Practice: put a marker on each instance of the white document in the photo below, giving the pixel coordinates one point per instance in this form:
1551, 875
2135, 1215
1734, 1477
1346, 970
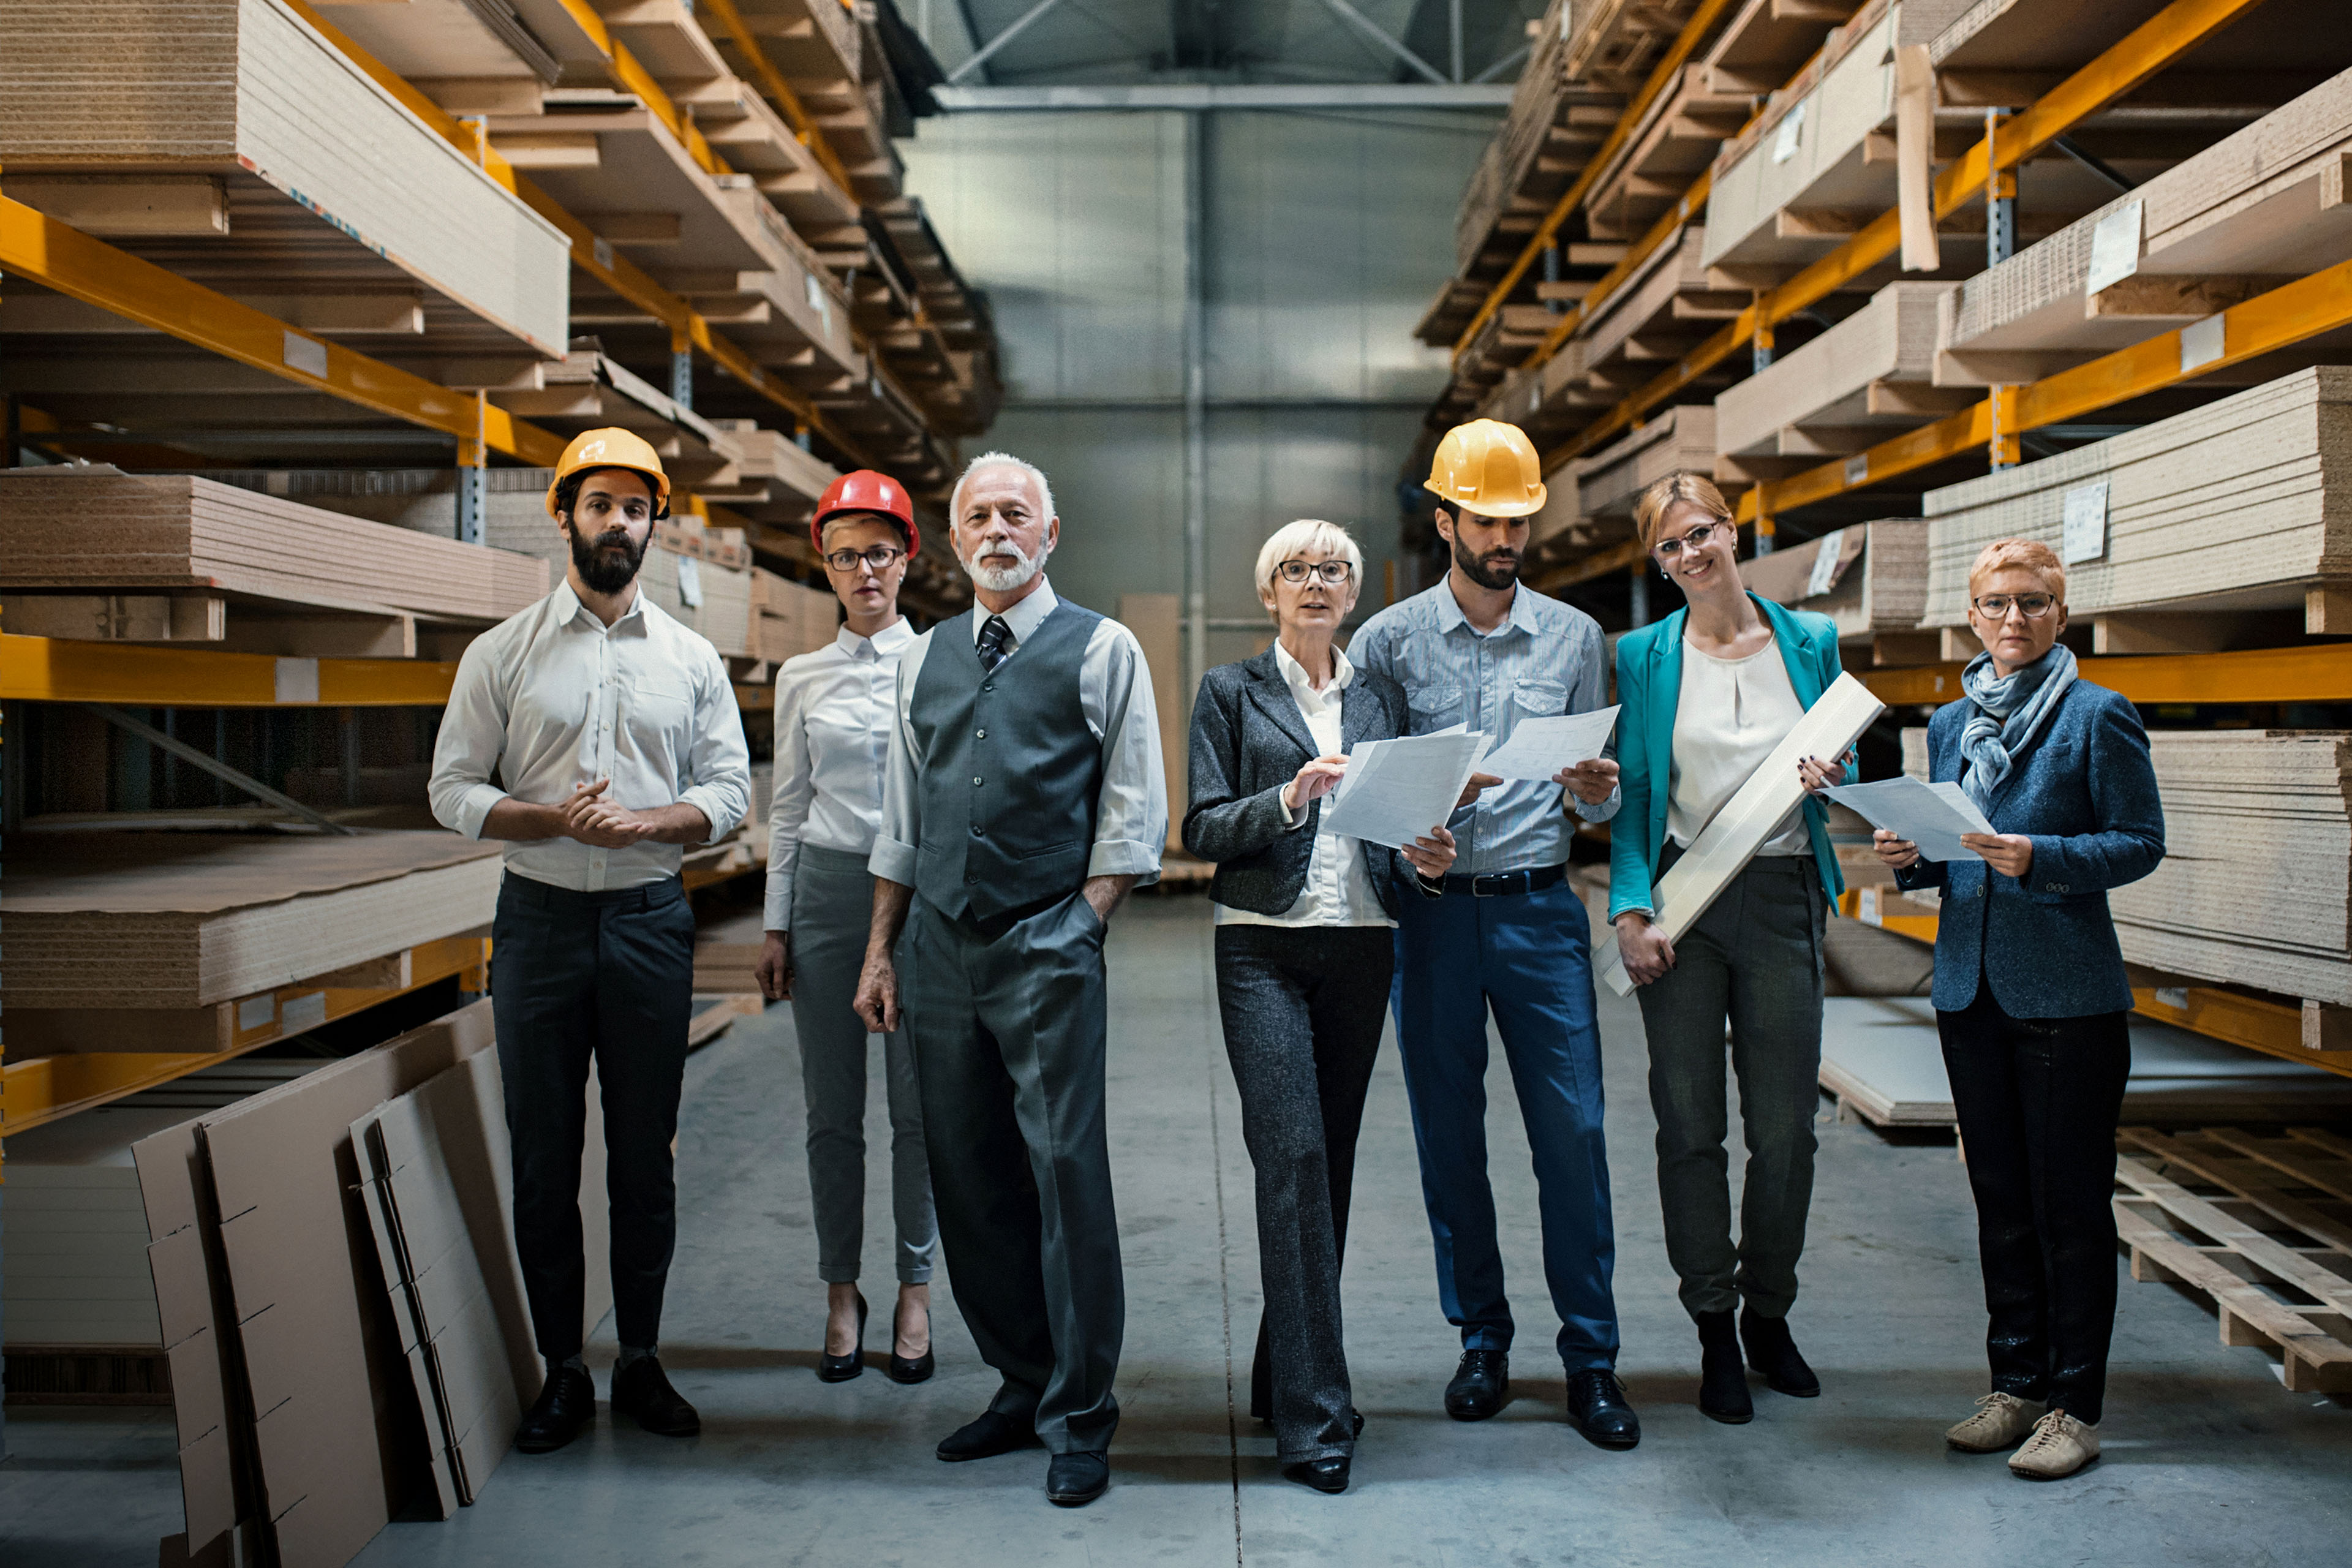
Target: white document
1396, 791
1932, 816
1538, 748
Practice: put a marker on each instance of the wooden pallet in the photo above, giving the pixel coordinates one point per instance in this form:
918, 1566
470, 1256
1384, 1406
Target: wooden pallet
2260, 1226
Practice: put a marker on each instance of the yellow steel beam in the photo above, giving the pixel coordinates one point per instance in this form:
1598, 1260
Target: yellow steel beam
2140, 54
52, 670
1686, 44
2273, 1028
36, 245
2315, 672
780, 91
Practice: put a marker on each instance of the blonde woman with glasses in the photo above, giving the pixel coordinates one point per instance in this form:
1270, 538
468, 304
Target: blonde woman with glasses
1305, 955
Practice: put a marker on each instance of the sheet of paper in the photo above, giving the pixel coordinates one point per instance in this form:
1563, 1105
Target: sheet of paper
1538, 748
1396, 791
1932, 816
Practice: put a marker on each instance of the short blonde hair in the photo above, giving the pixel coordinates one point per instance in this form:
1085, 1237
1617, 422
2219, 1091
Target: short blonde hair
2027, 554
1674, 489
1308, 533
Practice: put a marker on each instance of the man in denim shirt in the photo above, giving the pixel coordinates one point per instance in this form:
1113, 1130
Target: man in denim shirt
1510, 934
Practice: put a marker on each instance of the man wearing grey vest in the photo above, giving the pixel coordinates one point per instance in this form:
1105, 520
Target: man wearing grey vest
1022, 798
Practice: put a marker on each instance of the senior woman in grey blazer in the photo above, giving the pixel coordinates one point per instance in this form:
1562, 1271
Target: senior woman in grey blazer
1305, 952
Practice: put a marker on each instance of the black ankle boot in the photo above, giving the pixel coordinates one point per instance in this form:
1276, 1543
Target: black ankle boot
1722, 1380
1773, 1352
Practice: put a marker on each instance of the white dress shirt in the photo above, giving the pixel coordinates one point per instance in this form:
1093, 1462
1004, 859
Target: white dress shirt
552, 698
1115, 696
832, 741
1731, 714
1339, 891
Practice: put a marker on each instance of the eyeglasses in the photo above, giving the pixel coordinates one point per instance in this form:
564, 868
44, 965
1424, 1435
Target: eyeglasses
1694, 540
877, 556
1331, 572
1996, 607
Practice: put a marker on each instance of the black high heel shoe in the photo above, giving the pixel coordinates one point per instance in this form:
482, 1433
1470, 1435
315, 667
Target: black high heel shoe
831, 1368
909, 1369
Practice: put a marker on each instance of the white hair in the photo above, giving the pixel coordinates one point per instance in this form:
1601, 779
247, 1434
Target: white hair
1000, 460
1307, 535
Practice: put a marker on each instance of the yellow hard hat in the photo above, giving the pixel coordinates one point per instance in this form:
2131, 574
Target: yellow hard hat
1489, 467
612, 447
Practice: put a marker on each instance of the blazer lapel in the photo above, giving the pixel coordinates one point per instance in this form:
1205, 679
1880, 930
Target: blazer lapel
1796, 652
1360, 714
1272, 696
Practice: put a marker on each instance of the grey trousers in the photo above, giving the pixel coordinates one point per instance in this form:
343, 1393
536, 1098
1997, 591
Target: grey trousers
1754, 958
833, 908
1008, 1017
1302, 1010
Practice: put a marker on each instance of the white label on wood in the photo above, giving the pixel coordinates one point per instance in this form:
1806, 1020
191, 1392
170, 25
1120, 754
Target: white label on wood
1790, 135
1866, 907
689, 581
1825, 560
304, 1013
603, 252
1534, 397
298, 681
815, 292
2115, 247
256, 1013
1857, 468
2085, 527
2201, 344
308, 355
2173, 996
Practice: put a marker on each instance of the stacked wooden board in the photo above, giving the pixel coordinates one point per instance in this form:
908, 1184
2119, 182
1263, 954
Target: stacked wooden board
1859, 383
1870, 579
1612, 480
2237, 505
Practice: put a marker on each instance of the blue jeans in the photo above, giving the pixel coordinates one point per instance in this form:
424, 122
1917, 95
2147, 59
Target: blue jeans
1528, 957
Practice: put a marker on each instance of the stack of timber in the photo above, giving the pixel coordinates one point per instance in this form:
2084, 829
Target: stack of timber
1609, 483
1768, 41
178, 558
2257, 210
219, 155
2260, 1225
928, 326
2236, 507
1870, 578
1863, 381
592, 389
1674, 144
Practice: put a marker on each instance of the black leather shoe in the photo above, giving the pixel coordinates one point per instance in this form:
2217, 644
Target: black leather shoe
914, 1369
1596, 1404
1722, 1381
1773, 1352
639, 1389
832, 1368
565, 1406
1356, 1416
1073, 1480
987, 1437
1479, 1386
1324, 1475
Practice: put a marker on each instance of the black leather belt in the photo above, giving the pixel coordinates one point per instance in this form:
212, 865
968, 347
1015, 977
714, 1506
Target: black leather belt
1496, 884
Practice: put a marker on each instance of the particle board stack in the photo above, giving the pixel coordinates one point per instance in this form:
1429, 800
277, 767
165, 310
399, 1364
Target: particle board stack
204, 99
1676, 139
1608, 482
1860, 382
2240, 505
1873, 586
1767, 41
2262, 206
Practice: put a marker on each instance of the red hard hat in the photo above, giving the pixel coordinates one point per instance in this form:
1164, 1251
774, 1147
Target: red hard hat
863, 490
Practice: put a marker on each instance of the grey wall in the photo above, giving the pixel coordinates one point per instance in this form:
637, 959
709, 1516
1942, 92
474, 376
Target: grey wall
1326, 236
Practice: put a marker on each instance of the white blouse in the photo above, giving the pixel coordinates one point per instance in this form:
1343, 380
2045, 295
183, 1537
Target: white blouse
1339, 891
1731, 713
834, 712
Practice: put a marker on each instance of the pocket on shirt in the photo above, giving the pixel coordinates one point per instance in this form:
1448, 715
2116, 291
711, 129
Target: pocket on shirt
1435, 708
658, 712
1549, 698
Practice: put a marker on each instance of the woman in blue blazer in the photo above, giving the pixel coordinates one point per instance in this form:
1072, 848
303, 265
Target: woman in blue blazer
1707, 694
2031, 998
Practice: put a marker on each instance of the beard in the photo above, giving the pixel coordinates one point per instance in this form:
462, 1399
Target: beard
1496, 569
1005, 579
599, 567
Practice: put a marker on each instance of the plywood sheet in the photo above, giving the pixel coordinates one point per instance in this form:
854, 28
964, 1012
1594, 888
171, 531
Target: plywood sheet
1823, 386
1877, 583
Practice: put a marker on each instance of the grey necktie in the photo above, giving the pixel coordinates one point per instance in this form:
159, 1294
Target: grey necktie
993, 635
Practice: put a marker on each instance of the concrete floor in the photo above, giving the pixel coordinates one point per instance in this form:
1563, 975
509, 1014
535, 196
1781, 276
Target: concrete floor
2208, 1459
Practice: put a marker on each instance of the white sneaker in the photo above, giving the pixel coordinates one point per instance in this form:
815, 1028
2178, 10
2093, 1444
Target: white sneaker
2060, 1445
2001, 1421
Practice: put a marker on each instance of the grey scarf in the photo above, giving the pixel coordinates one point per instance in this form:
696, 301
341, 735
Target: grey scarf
2011, 710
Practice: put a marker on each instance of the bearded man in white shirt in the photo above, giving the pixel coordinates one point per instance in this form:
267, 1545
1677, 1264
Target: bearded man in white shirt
1023, 798
616, 732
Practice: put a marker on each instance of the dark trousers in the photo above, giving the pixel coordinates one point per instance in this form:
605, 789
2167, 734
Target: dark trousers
1527, 956
1008, 1017
2037, 1100
1753, 959
610, 976
1302, 1011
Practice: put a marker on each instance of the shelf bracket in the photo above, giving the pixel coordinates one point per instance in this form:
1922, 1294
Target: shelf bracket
174, 746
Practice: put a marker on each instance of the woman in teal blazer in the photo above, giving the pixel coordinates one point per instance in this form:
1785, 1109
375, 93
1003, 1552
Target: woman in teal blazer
1707, 693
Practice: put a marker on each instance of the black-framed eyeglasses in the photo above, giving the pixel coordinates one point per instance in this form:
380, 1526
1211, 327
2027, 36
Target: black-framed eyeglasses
2032, 606
1332, 571
877, 556
1694, 540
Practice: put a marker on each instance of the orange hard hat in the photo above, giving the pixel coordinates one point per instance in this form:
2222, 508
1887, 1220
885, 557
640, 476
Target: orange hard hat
1489, 467
863, 490
612, 447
